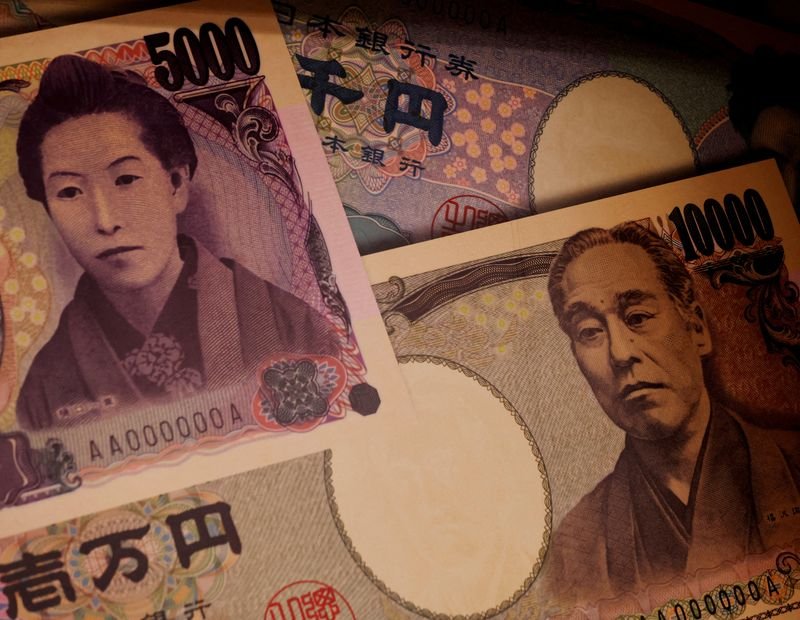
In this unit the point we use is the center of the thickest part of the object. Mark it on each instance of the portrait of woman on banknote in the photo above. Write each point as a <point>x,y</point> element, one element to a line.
<point>155,315</point>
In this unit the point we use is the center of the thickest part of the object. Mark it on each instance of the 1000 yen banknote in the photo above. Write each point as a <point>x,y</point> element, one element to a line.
<point>438,117</point>
<point>175,268</point>
<point>522,109</point>
<point>646,348</point>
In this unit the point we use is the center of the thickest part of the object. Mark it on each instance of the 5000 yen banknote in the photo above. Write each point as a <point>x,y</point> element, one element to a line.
<point>439,117</point>
<point>175,269</point>
<point>645,349</point>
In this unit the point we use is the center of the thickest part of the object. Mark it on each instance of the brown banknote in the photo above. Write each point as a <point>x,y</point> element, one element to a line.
<point>176,272</point>
<point>528,486</point>
<point>647,345</point>
<point>271,543</point>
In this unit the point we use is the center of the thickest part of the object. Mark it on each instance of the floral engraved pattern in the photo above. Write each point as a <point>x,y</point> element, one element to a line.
<point>297,391</point>
<point>298,395</point>
<point>774,297</point>
<point>160,360</point>
<point>255,130</point>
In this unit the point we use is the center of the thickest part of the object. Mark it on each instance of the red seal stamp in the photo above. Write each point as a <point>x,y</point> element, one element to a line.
<point>465,212</point>
<point>308,600</point>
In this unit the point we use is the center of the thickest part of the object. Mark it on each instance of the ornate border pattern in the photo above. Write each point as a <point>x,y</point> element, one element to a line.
<point>713,121</point>
<point>773,297</point>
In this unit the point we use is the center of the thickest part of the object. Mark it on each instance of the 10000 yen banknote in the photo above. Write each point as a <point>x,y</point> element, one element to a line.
<point>642,465</point>
<point>269,543</point>
<point>175,268</point>
<point>645,348</point>
<point>263,544</point>
<point>443,116</point>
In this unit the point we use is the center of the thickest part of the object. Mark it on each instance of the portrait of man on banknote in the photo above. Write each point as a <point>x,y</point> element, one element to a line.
<point>155,314</point>
<point>695,483</point>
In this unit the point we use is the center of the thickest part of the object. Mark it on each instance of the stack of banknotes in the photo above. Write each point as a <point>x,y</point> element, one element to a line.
<point>422,309</point>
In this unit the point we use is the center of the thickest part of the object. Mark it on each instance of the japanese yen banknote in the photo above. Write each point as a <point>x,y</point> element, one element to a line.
<point>441,116</point>
<point>608,428</point>
<point>645,350</point>
<point>176,271</point>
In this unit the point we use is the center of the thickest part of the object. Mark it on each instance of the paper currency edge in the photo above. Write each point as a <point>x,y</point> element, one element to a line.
<point>531,231</point>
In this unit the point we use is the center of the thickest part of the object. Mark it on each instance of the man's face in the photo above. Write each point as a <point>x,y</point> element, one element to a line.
<point>776,133</point>
<point>641,356</point>
<point>111,200</point>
